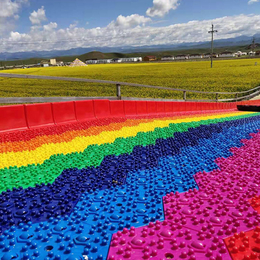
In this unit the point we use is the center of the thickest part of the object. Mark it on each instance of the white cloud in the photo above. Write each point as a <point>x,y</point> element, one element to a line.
<point>74,24</point>
<point>8,8</point>
<point>132,34</point>
<point>162,7</point>
<point>50,26</point>
<point>9,13</point>
<point>253,1</point>
<point>37,17</point>
<point>129,21</point>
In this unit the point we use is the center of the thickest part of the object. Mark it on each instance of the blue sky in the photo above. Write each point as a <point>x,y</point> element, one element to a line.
<point>99,13</point>
<point>121,22</point>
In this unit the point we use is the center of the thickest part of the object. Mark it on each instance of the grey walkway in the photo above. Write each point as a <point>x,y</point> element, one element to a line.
<point>256,98</point>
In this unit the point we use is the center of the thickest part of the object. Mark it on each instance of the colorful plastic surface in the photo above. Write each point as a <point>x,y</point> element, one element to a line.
<point>71,205</point>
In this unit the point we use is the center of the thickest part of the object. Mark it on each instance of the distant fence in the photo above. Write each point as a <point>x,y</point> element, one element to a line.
<point>237,96</point>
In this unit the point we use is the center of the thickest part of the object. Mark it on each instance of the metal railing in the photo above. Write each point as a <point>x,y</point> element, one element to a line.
<point>254,91</point>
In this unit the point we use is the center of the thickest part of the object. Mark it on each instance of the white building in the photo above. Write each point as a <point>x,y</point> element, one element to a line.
<point>182,57</point>
<point>251,53</point>
<point>117,60</point>
<point>104,61</point>
<point>53,62</point>
<point>208,55</point>
<point>227,54</point>
<point>196,56</point>
<point>60,63</point>
<point>91,61</point>
<point>167,58</point>
<point>132,59</point>
<point>240,54</point>
<point>101,61</point>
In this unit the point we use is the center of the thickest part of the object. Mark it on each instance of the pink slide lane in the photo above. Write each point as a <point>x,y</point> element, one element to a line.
<point>197,222</point>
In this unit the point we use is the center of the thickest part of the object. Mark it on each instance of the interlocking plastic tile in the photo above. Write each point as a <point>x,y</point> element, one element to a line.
<point>255,203</point>
<point>221,207</point>
<point>244,245</point>
<point>206,216</point>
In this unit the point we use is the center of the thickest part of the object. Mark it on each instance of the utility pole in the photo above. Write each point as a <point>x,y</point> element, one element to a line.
<point>212,39</point>
<point>253,44</point>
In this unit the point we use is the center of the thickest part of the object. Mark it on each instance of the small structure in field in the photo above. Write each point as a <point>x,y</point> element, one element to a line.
<point>150,58</point>
<point>78,63</point>
<point>167,58</point>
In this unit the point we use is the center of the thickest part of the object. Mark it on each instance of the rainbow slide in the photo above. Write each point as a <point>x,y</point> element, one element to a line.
<point>121,180</point>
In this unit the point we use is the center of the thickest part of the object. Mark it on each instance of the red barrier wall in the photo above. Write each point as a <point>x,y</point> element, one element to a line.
<point>39,115</point>
<point>151,107</point>
<point>84,110</point>
<point>20,117</point>
<point>160,108</point>
<point>130,108</point>
<point>168,107</point>
<point>64,112</point>
<point>141,107</point>
<point>176,106</point>
<point>102,108</point>
<point>117,108</point>
<point>12,118</point>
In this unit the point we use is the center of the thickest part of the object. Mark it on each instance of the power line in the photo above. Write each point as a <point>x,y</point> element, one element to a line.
<point>212,39</point>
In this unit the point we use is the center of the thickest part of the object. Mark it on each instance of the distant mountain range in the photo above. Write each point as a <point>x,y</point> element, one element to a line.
<point>238,41</point>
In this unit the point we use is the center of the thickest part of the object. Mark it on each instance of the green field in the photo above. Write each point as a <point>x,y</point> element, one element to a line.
<point>227,75</point>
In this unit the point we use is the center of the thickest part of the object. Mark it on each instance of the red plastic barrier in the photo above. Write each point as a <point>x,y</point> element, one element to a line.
<point>141,107</point>
<point>151,107</point>
<point>117,108</point>
<point>130,108</point>
<point>39,115</point>
<point>213,106</point>
<point>168,107</point>
<point>204,106</point>
<point>192,106</point>
<point>176,106</point>
<point>220,106</point>
<point>189,106</point>
<point>84,110</point>
<point>184,106</point>
<point>160,107</point>
<point>64,112</point>
<point>12,118</point>
<point>102,108</point>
